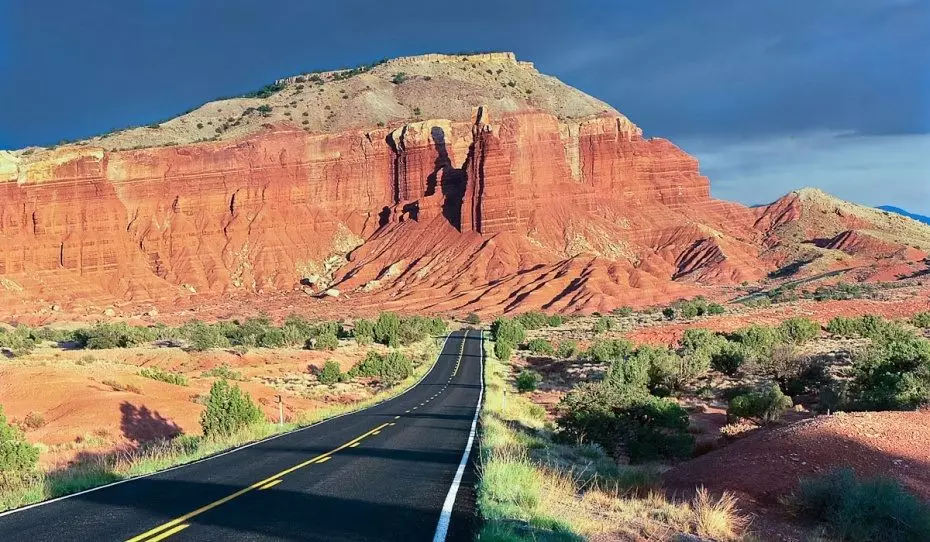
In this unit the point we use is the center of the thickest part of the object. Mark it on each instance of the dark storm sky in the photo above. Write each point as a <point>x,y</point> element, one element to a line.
<point>771,95</point>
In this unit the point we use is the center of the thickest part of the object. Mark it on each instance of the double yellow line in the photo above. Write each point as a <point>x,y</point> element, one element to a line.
<point>461,353</point>
<point>180,523</point>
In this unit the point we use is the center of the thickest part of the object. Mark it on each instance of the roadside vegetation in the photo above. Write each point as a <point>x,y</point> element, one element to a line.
<point>537,485</point>
<point>258,332</point>
<point>552,476</point>
<point>231,417</point>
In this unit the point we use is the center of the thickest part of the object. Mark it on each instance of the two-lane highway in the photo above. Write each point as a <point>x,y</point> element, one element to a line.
<point>390,472</point>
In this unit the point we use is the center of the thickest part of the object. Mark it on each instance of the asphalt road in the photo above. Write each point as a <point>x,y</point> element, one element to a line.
<point>384,473</point>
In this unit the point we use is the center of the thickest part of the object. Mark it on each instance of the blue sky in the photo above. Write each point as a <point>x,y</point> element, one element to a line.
<point>771,95</point>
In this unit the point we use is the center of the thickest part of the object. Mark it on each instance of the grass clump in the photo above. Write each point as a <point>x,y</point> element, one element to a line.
<point>861,510</point>
<point>164,376</point>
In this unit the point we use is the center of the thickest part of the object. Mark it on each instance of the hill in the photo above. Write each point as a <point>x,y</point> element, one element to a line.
<point>900,211</point>
<point>435,183</point>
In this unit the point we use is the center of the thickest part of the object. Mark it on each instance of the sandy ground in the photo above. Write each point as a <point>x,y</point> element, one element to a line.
<point>96,400</point>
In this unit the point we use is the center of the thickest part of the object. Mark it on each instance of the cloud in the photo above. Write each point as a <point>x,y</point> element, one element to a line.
<point>866,169</point>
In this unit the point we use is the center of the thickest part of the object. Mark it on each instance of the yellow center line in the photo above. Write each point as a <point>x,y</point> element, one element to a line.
<point>177,521</point>
<point>271,484</point>
<point>355,445</point>
<point>324,459</point>
<point>169,532</point>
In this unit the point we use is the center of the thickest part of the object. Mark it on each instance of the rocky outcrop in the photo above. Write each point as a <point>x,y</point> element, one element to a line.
<point>261,213</point>
<point>508,212</point>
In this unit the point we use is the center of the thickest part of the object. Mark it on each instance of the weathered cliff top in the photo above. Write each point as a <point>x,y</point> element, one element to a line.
<point>389,93</point>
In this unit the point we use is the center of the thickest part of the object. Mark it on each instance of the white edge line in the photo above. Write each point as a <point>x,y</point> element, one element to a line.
<point>442,528</point>
<point>232,450</point>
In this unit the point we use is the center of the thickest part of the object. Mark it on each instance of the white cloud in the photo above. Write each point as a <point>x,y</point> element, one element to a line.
<point>871,170</point>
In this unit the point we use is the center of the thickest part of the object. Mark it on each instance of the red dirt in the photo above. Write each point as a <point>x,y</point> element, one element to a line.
<point>765,465</point>
<point>82,411</point>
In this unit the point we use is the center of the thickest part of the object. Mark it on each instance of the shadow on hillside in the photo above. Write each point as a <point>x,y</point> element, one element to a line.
<point>139,424</point>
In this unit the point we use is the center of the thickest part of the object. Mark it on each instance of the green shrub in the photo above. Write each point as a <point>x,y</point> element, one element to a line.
<point>567,349</point>
<point>843,327</point>
<point>201,336</point>
<point>473,319</point>
<point>18,342</point>
<point>387,329</point>
<point>764,406</point>
<point>224,371</point>
<point>692,309</point>
<point>527,381</point>
<point>794,373</point>
<point>633,370</point>
<point>17,456</point>
<point>417,328</point>
<point>799,330</point>
<point>399,78</point>
<point>668,313</point>
<point>625,421</point>
<point>601,325</point>
<point>164,376</point>
<point>840,291</point>
<point>921,320</point>
<point>532,320</point>
<point>605,351</point>
<point>266,91</point>
<point>118,335</point>
<point>696,339</point>
<point>757,339</point>
<point>729,358</point>
<point>508,331</point>
<point>555,320</point>
<point>859,510</point>
<point>228,409</point>
<point>249,333</point>
<point>503,350</point>
<point>296,330</point>
<point>623,311</point>
<point>389,368</point>
<point>540,346</point>
<point>273,338</point>
<point>326,341</point>
<point>364,332</point>
<point>330,373</point>
<point>892,375</point>
<point>669,371</point>
<point>715,308</point>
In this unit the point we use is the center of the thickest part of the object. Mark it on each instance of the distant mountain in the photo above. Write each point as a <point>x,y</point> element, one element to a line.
<point>900,211</point>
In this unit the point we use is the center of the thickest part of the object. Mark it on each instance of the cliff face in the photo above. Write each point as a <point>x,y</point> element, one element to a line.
<point>261,213</point>
<point>521,210</point>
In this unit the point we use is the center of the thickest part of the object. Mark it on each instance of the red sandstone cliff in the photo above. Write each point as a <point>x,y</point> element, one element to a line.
<point>519,211</point>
